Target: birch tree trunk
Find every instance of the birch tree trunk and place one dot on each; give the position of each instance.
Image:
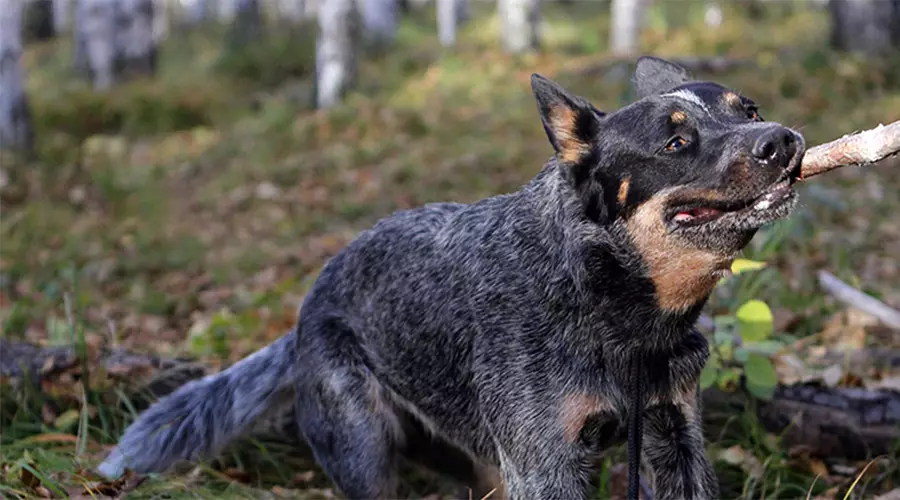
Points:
(160, 20)
(379, 19)
(15, 116)
(61, 15)
(869, 27)
(450, 15)
(337, 48)
(96, 40)
(519, 22)
(195, 11)
(135, 51)
(625, 26)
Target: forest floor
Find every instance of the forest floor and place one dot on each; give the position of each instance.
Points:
(188, 215)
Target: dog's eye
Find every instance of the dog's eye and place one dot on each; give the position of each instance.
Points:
(675, 144)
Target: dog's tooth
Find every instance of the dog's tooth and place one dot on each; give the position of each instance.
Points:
(764, 204)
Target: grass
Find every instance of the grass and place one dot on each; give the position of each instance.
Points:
(188, 214)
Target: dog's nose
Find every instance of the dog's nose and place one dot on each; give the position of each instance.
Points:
(776, 144)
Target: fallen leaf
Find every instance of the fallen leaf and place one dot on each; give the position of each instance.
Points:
(237, 474)
(832, 375)
(304, 477)
(736, 455)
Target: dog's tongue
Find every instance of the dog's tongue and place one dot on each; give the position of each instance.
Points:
(701, 212)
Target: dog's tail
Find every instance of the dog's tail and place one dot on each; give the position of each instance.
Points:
(203, 416)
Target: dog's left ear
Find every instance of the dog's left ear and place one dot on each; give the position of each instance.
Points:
(571, 122)
(653, 76)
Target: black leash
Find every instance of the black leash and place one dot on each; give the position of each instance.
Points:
(635, 427)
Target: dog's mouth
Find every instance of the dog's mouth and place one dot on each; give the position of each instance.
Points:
(703, 211)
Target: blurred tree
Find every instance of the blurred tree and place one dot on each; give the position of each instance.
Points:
(195, 11)
(15, 116)
(337, 48)
(61, 15)
(292, 11)
(225, 10)
(519, 23)
(114, 39)
(625, 26)
(246, 24)
(38, 20)
(865, 26)
(379, 19)
(137, 33)
(450, 14)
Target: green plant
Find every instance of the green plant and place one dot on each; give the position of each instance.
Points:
(742, 345)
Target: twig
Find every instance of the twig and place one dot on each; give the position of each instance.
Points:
(853, 297)
(861, 148)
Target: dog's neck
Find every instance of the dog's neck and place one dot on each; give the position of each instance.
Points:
(598, 258)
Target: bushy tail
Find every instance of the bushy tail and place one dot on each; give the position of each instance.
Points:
(203, 416)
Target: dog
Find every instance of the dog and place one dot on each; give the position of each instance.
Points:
(522, 334)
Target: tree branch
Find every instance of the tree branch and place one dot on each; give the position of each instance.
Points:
(861, 148)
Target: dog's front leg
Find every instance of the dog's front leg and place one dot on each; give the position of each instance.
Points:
(542, 474)
(674, 452)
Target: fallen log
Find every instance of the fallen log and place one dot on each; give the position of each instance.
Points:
(834, 422)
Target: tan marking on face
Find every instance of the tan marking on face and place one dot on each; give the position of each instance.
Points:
(576, 408)
(564, 120)
(683, 275)
(623, 190)
(731, 99)
(678, 117)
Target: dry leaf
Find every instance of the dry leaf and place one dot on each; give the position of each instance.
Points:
(832, 375)
(744, 459)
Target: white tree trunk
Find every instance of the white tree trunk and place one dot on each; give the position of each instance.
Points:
(519, 23)
(136, 50)
(15, 117)
(96, 37)
(61, 15)
(379, 18)
(160, 21)
(450, 15)
(336, 50)
(625, 26)
(114, 38)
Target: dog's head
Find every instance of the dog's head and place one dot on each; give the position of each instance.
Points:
(691, 171)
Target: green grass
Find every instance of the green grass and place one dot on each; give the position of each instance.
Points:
(194, 210)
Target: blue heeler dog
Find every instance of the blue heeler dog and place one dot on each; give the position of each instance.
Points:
(524, 333)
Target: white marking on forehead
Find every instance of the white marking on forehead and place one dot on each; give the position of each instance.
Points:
(689, 96)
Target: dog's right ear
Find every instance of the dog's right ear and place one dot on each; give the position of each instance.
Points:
(653, 76)
(571, 122)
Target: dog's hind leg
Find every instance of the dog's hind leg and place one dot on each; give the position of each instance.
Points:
(342, 414)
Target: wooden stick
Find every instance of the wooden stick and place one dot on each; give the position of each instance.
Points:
(861, 148)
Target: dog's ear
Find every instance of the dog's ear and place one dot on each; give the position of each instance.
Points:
(571, 122)
(653, 76)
